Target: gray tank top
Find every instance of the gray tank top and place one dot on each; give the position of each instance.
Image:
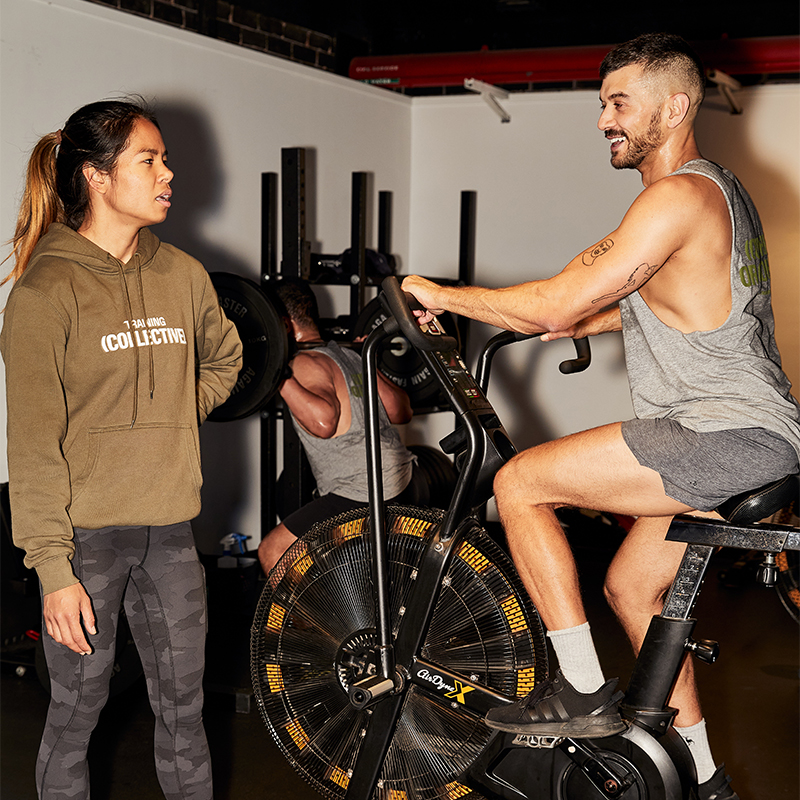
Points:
(340, 464)
(727, 378)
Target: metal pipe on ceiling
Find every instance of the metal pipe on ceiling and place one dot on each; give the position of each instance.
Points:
(757, 56)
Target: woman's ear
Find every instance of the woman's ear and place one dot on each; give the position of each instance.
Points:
(96, 179)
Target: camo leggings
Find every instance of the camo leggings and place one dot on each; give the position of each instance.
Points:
(157, 572)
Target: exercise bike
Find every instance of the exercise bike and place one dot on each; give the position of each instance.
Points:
(384, 635)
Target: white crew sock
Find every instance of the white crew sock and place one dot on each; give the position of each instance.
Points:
(577, 657)
(696, 740)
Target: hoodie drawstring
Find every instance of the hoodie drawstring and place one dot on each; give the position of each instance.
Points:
(152, 385)
(144, 311)
(135, 349)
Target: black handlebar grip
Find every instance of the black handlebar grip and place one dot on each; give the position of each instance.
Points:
(580, 363)
(522, 337)
(399, 304)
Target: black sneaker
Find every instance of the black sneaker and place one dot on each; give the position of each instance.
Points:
(555, 708)
(717, 787)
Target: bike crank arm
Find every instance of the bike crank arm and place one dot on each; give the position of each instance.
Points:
(605, 780)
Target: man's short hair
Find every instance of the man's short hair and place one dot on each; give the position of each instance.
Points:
(299, 301)
(660, 54)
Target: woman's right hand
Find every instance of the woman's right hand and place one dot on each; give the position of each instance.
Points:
(63, 611)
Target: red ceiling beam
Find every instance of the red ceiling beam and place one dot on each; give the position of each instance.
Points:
(760, 56)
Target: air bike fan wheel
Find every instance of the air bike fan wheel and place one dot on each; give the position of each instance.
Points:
(312, 627)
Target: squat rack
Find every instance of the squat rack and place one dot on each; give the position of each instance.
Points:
(296, 261)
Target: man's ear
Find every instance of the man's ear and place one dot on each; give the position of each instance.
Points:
(678, 106)
(96, 179)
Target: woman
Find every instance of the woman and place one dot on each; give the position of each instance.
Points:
(115, 350)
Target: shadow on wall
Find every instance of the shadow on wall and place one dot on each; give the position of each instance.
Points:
(199, 193)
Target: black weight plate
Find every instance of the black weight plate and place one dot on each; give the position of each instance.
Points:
(400, 363)
(265, 345)
(439, 473)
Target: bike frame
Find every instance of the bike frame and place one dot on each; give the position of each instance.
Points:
(481, 446)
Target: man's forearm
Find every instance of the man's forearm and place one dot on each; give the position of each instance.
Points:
(517, 308)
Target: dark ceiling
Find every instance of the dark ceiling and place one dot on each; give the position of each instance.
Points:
(389, 27)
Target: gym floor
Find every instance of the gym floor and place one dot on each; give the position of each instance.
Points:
(750, 696)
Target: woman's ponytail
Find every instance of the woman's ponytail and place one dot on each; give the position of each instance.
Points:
(40, 204)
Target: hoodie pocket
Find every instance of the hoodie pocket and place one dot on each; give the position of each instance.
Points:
(146, 475)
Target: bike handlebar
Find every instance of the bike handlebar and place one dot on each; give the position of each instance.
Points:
(579, 364)
(399, 304)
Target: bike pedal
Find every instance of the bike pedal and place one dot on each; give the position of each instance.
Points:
(537, 742)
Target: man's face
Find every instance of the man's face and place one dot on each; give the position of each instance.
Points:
(631, 117)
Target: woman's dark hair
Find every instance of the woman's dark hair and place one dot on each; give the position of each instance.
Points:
(55, 187)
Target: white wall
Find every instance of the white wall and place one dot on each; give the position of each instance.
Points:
(226, 113)
(546, 191)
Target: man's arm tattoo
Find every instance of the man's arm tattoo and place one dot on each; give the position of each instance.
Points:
(633, 283)
(590, 256)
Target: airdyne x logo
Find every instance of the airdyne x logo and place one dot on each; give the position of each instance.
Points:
(459, 692)
(456, 692)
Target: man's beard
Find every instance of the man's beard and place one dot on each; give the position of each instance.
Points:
(639, 147)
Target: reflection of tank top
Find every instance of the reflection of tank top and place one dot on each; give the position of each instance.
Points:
(723, 379)
(340, 464)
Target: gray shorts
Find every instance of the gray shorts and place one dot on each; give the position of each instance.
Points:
(705, 469)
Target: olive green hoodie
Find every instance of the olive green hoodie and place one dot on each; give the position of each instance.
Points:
(109, 369)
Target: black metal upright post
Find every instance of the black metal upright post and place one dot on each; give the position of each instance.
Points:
(385, 223)
(466, 254)
(298, 481)
(296, 259)
(358, 243)
(269, 424)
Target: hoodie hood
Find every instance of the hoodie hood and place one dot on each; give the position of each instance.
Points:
(61, 241)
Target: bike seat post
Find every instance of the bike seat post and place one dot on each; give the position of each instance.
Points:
(669, 634)
(664, 646)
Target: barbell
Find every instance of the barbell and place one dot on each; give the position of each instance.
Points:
(254, 310)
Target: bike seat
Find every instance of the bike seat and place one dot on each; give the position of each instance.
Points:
(752, 506)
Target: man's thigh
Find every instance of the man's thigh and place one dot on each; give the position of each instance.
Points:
(704, 469)
(592, 469)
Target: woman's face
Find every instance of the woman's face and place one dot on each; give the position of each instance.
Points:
(139, 192)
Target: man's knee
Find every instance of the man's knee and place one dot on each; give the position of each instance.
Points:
(274, 545)
(614, 590)
(631, 594)
(518, 490)
(515, 482)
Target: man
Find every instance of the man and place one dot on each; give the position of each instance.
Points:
(685, 277)
(324, 394)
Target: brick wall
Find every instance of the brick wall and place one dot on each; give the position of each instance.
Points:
(232, 23)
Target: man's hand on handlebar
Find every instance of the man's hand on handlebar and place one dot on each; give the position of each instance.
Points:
(423, 290)
(567, 333)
